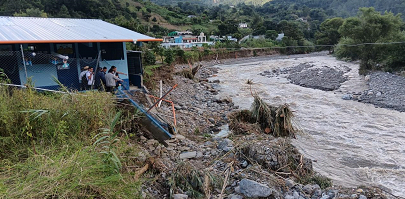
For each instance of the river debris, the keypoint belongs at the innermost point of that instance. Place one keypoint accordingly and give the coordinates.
(190, 72)
(280, 157)
(272, 120)
(195, 183)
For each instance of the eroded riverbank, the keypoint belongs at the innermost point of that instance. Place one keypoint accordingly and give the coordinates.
(353, 143)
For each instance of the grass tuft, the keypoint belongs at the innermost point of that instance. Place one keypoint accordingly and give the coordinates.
(47, 151)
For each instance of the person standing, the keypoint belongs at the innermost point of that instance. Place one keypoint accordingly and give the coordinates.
(90, 78)
(83, 78)
(111, 80)
(116, 73)
(100, 79)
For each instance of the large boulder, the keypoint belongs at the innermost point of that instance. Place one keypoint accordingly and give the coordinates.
(253, 189)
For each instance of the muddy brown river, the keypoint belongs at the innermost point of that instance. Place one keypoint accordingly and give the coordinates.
(353, 143)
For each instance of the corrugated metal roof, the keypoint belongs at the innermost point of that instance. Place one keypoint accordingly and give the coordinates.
(44, 30)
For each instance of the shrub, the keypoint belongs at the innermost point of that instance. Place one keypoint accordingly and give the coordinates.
(169, 56)
(149, 58)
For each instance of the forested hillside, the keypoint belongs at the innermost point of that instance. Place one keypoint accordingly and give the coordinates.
(346, 8)
(211, 2)
(141, 16)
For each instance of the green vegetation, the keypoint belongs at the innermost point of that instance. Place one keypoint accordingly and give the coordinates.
(344, 8)
(372, 27)
(322, 181)
(64, 146)
(328, 33)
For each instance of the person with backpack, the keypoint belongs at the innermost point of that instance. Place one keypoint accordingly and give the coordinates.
(83, 78)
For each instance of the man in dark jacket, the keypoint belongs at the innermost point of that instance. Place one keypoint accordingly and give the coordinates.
(100, 79)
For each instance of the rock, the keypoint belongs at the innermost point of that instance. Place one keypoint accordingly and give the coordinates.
(179, 137)
(227, 149)
(237, 189)
(378, 94)
(289, 197)
(188, 155)
(347, 97)
(317, 194)
(244, 164)
(143, 156)
(253, 189)
(152, 142)
(296, 195)
(211, 120)
(362, 197)
(289, 183)
(233, 196)
(367, 78)
(370, 93)
(199, 154)
(308, 189)
(180, 196)
(332, 193)
(224, 144)
(325, 197)
(353, 196)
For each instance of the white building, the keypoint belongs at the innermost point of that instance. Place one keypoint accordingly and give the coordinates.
(243, 25)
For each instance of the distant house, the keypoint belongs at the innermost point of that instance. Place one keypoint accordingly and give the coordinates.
(223, 38)
(185, 40)
(43, 48)
(280, 37)
(302, 20)
(243, 25)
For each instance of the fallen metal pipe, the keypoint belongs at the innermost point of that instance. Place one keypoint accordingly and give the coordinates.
(162, 98)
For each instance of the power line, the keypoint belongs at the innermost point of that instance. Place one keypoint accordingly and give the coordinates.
(314, 46)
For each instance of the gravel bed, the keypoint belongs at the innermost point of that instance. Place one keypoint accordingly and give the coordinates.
(386, 90)
(307, 75)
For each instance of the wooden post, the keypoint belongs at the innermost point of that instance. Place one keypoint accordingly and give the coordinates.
(161, 92)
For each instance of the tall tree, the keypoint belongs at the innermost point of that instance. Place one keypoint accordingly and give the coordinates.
(371, 27)
(64, 12)
(329, 32)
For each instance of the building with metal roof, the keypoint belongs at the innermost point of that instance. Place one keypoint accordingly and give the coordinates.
(51, 30)
(44, 48)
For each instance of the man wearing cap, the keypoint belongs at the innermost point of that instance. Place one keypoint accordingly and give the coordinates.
(83, 78)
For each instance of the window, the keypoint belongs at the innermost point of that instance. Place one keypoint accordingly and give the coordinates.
(112, 51)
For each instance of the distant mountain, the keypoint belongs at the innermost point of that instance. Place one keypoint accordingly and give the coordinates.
(346, 8)
(211, 2)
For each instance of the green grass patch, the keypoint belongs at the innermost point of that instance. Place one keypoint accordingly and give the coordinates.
(64, 146)
(148, 70)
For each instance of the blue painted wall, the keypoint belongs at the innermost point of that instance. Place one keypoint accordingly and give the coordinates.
(178, 40)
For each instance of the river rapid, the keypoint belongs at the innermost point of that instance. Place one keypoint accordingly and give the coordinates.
(350, 142)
